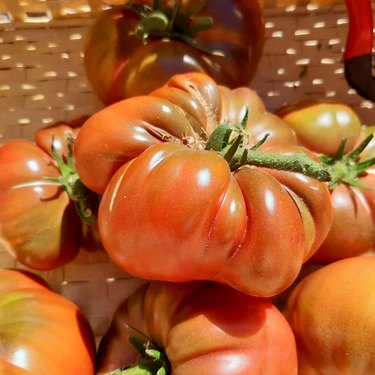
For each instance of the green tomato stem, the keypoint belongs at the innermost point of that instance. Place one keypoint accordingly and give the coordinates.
(162, 21)
(234, 151)
(300, 163)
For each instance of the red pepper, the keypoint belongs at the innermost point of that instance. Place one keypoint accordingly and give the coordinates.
(358, 52)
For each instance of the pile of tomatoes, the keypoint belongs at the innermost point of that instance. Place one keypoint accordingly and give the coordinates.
(253, 231)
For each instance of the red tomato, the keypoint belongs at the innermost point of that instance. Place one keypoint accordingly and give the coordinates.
(60, 132)
(321, 126)
(203, 329)
(39, 225)
(173, 211)
(63, 132)
(119, 64)
(41, 332)
(331, 312)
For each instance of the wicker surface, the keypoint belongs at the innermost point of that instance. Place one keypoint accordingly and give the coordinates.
(42, 80)
(39, 11)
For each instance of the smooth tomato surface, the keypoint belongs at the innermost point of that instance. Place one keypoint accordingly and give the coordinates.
(39, 225)
(173, 211)
(41, 332)
(119, 64)
(321, 126)
(331, 312)
(204, 329)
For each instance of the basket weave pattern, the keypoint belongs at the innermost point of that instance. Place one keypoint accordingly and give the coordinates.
(42, 81)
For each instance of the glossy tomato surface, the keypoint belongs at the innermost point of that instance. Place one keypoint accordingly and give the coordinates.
(332, 314)
(39, 225)
(41, 332)
(173, 211)
(321, 126)
(204, 329)
(119, 64)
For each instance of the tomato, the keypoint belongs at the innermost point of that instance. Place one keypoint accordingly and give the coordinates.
(39, 224)
(332, 314)
(321, 126)
(63, 133)
(41, 332)
(173, 210)
(120, 64)
(202, 329)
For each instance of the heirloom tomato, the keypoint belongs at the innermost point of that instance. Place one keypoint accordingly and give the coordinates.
(63, 133)
(323, 127)
(134, 49)
(176, 208)
(42, 333)
(332, 314)
(198, 328)
(39, 225)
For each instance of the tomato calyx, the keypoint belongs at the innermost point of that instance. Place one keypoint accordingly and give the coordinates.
(232, 142)
(153, 360)
(347, 168)
(161, 21)
(84, 199)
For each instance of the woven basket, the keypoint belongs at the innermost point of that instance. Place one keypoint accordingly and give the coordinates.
(42, 81)
(36, 11)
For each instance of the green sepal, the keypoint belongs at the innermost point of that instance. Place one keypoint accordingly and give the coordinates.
(347, 169)
(153, 360)
(85, 200)
(164, 22)
(219, 138)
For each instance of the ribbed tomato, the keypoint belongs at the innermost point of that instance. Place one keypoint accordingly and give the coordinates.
(198, 328)
(322, 126)
(172, 208)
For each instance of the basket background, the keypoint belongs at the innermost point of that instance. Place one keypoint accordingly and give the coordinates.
(42, 81)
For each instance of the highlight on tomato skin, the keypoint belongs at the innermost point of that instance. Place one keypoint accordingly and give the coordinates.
(39, 222)
(133, 49)
(39, 225)
(42, 332)
(170, 204)
(196, 328)
(336, 134)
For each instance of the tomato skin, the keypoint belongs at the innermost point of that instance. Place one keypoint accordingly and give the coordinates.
(217, 224)
(331, 312)
(42, 332)
(188, 108)
(39, 225)
(321, 126)
(352, 230)
(204, 328)
(120, 65)
(60, 133)
(161, 197)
